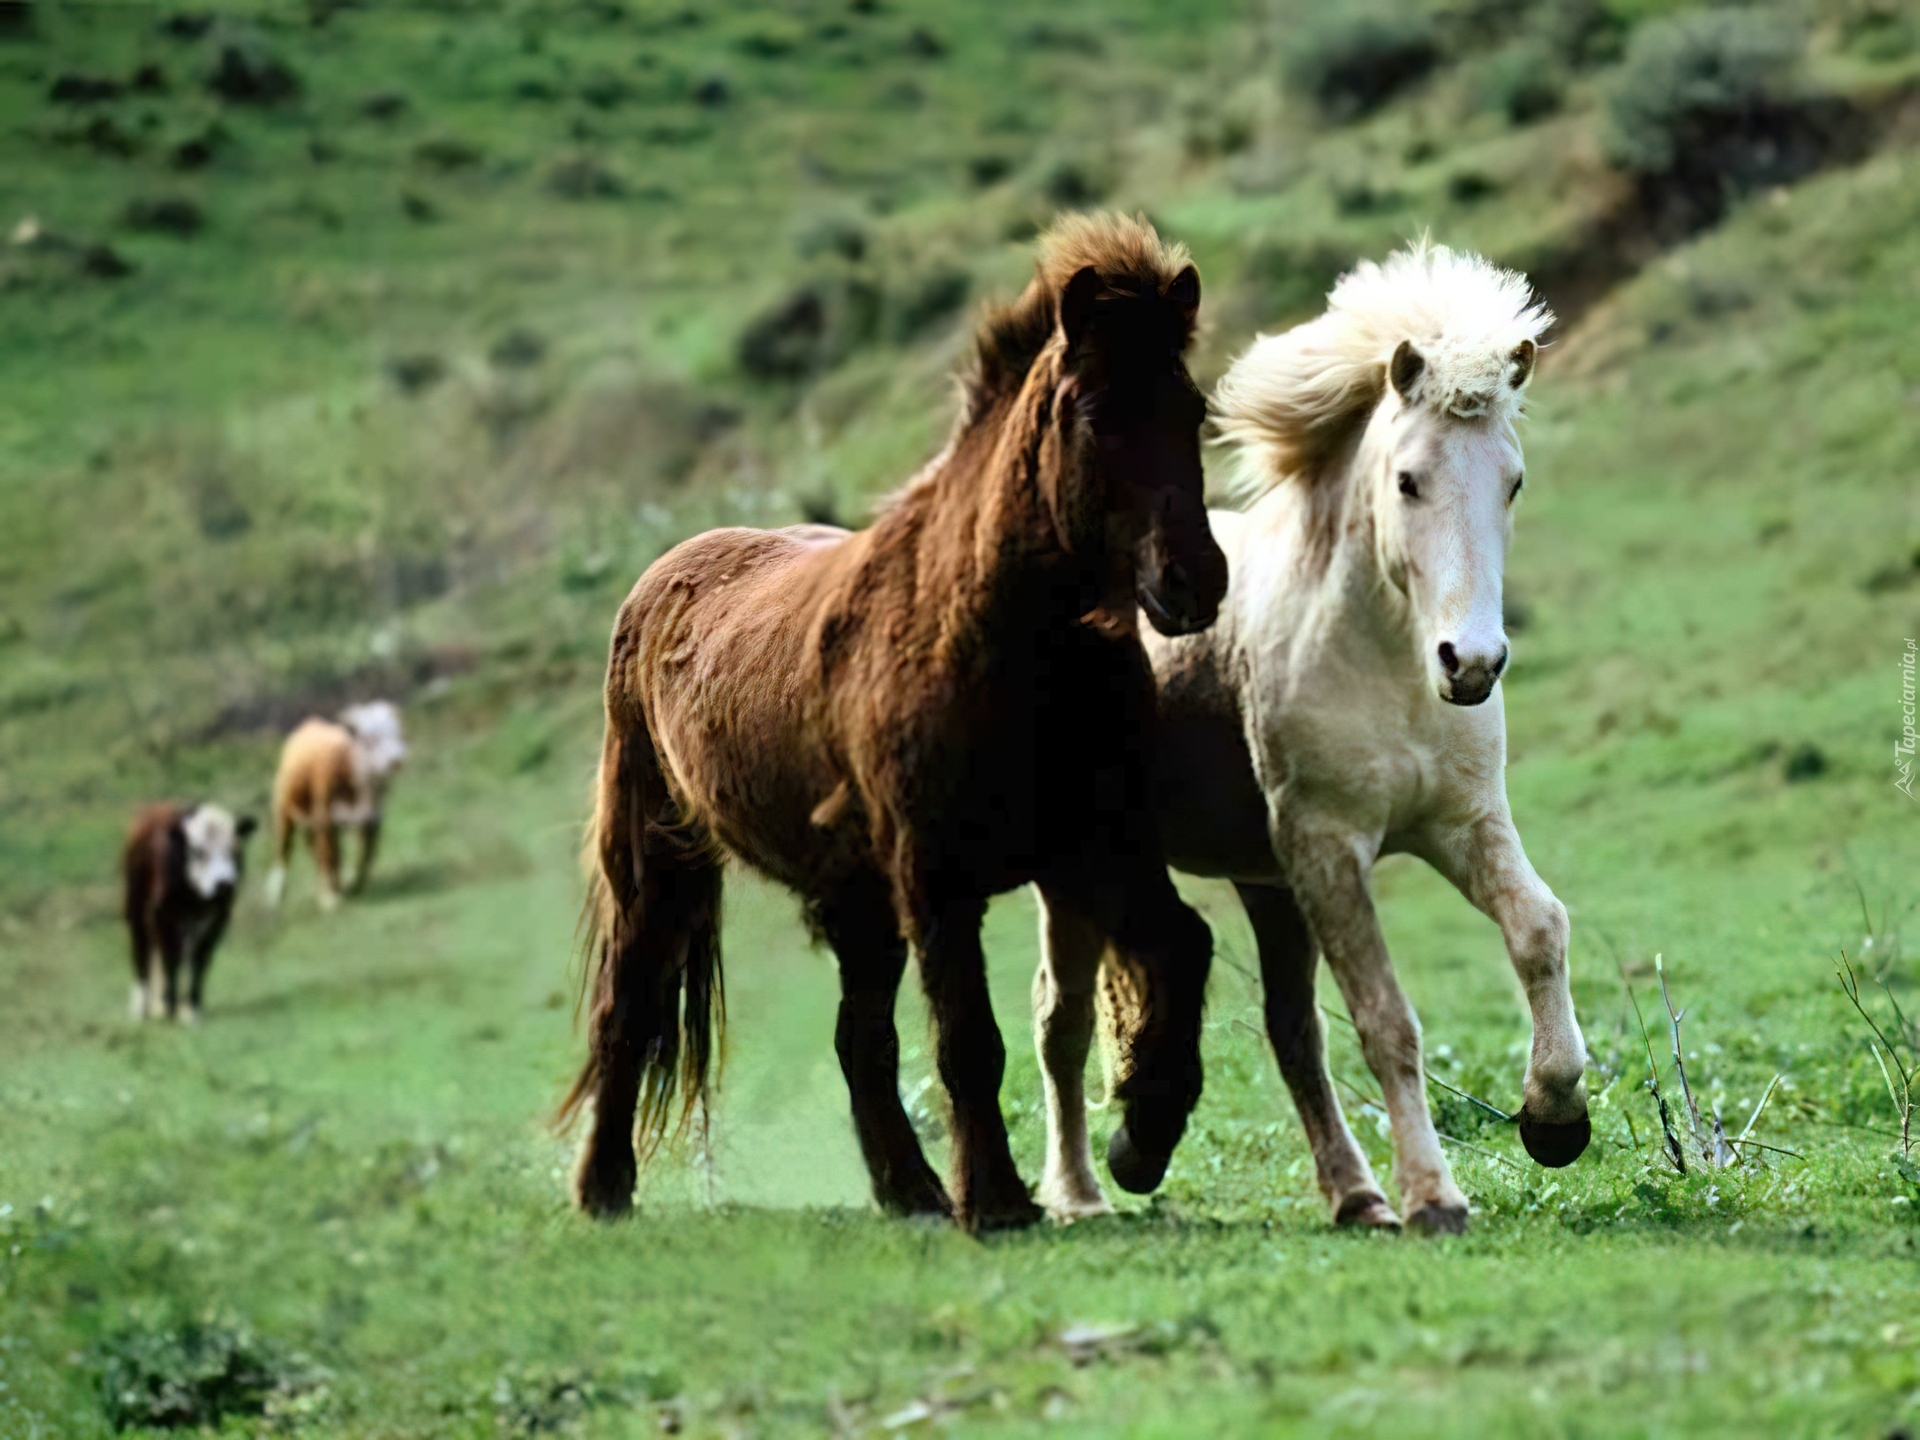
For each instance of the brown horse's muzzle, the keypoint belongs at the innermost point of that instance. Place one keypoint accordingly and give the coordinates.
(1182, 578)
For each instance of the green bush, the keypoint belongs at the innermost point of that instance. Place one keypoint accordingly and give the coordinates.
(199, 1372)
(1694, 77)
(1353, 64)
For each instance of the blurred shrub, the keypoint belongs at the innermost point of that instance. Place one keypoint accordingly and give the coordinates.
(1690, 80)
(920, 301)
(1351, 64)
(811, 329)
(1523, 82)
(200, 1372)
(1292, 278)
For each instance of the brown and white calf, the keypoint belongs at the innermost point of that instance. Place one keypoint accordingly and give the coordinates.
(333, 776)
(182, 866)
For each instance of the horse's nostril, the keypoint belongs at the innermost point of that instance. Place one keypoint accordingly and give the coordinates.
(1500, 665)
(1177, 579)
(1449, 659)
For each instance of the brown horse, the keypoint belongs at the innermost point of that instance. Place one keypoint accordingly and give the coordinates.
(903, 722)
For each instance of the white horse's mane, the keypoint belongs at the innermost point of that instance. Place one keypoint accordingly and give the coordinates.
(1292, 399)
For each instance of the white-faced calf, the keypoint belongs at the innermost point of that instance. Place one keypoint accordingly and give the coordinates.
(182, 866)
(334, 776)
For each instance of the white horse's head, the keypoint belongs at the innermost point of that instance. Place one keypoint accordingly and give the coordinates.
(1424, 359)
(1445, 470)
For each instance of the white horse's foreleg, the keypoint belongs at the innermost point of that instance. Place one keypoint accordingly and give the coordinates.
(1488, 865)
(1288, 960)
(1329, 878)
(1063, 1018)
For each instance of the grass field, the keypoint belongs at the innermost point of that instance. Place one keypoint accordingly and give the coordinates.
(229, 494)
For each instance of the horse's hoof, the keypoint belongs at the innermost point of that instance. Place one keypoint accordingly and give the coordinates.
(1364, 1210)
(924, 1200)
(1132, 1168)
(1555, 1144)
(1008, 1214)
(1065, 1204)
(605, 1193)
(1433, 1218)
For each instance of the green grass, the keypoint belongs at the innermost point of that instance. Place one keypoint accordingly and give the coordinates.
(350, 1163)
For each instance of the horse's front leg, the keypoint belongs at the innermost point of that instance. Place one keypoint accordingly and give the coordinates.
(1063, 1018)
(1329, 878)
(1486, 862)
(987, 1191)
(1288, 961)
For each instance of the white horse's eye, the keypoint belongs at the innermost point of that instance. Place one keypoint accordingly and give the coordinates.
(1409, 486)
(1514, 494)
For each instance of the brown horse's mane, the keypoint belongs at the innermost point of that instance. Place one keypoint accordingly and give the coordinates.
(1131, 259)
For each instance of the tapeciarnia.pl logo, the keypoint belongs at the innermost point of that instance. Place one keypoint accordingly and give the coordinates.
(1904, 746)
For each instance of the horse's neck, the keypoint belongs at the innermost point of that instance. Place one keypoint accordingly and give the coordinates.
(1332, 589)
(990, 549)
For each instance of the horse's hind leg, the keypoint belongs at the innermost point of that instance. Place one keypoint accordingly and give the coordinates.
(987, 1191)
(1155, 986)
(1063, 1019)
(865, 935)
(1329, 874)
(1288, 960)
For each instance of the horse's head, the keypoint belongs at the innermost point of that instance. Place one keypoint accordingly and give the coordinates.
(1096, 348)
(1445, 470)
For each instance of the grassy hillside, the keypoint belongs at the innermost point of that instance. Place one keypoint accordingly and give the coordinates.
(496, 301)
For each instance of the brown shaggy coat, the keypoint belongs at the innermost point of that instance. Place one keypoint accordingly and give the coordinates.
(902, 722)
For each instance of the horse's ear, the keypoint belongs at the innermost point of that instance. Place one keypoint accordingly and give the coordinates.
(1406, 368)
(1077, 299)
(1524, 354)
(1184, 291)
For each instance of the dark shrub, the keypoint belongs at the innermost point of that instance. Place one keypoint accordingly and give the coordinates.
(926, 299)
(1072, 183)
(103, 262)
(186, 24)
(447, 152)
(1693, 79)
(73, 89)
(197, 151)
(1353, 64)
(1293, 278)
(16, 19)
(197, 1374)
(247, 73)
(1806, 761)
(384, 105)
(518, 350)
(841, 235)
(168, 214)
(584, 177)
(415, 374)
(810, 330)
(1524, 83)
(712, 92)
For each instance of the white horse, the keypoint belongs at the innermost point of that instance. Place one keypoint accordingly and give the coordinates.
(1346, 705)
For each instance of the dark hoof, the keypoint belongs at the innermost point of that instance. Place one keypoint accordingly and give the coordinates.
(925, 1198)
(1364, 1210)
(1434, 1218)
(1133, 1169)
(604, 1192)
(1555, 1145)
(1008, 1214)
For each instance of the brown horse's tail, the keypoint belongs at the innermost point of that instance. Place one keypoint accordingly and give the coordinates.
(654, 988)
